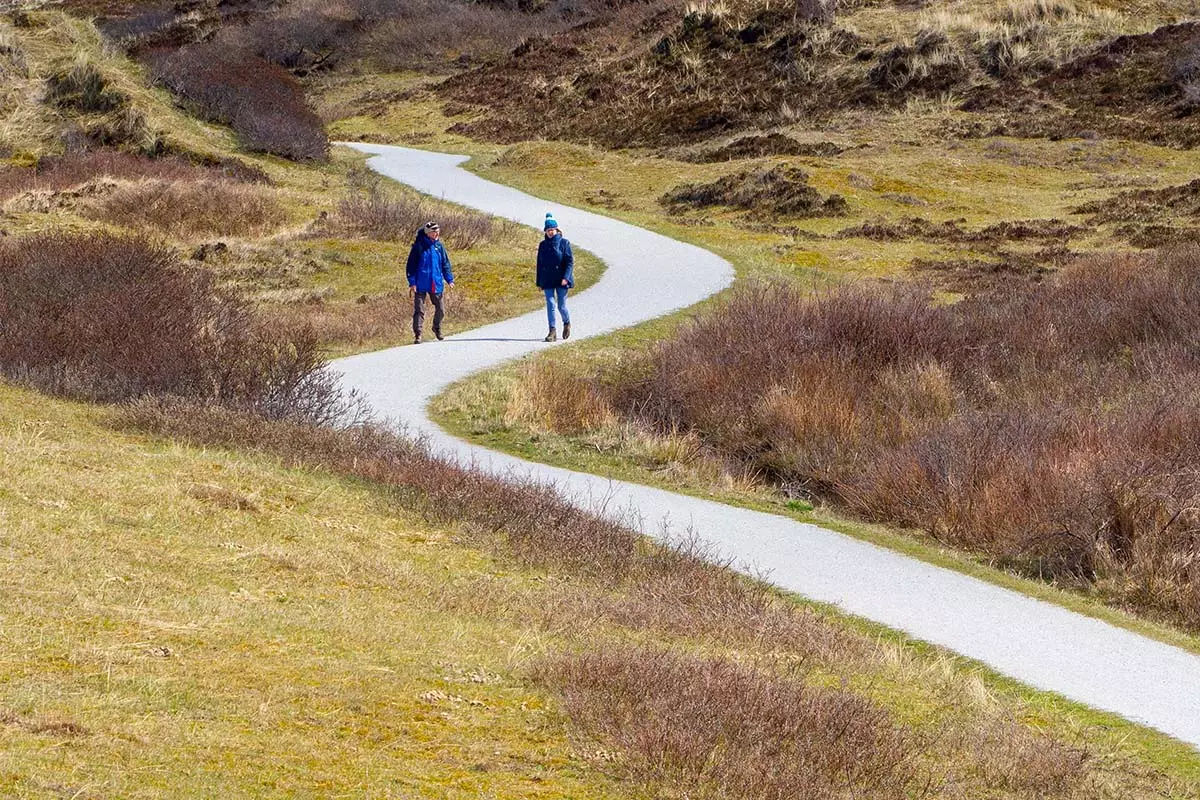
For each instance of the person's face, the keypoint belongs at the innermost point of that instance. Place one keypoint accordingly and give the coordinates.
(435, 235)
(551, 232)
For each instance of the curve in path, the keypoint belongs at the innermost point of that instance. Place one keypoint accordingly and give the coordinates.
(648, 275)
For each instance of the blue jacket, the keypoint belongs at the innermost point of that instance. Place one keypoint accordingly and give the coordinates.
(428, 265)
(555, 261)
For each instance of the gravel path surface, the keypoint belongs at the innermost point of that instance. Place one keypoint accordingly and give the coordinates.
(649, 275)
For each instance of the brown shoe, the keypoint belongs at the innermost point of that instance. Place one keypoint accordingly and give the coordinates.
(552, 336)
(566, 330)
(417, 339)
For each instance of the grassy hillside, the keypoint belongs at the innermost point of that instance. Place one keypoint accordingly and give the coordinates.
(197, 621)
(92, 143)
(221, 597)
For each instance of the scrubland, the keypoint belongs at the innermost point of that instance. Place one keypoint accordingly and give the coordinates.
(228, 581)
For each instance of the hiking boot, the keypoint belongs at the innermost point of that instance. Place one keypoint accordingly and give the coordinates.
(552, 336)
(566, 331)
(417, 339)
(439, 336)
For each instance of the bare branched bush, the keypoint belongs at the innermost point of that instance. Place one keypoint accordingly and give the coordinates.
(423, 35)
(190, 209)
(109, 318)
(377, 214)
(1030, 426)
(262, 102)
(731, 730)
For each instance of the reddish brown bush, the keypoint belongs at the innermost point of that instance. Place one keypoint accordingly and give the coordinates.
(109, 318)
(1027, 426)
(57, 173)
(731, 730)
(262, 102)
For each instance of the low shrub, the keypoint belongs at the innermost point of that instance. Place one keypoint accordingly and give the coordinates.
(731, 730)
(781, 190)
(1049, 428)
(190, 209)
(262, 102)
(110, 318)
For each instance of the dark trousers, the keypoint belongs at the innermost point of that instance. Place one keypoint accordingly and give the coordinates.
(439, 311)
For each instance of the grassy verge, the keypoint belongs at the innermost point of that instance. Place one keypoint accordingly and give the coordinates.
(479, 409)
(191, 620)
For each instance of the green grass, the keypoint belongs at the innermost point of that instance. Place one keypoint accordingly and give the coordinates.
(982, 184)
(201, 623)
(214, 625)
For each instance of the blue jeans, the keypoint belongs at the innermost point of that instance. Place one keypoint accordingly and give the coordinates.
(560, 295)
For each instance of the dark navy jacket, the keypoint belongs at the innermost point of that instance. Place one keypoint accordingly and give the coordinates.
(428, 265)
(555, 261)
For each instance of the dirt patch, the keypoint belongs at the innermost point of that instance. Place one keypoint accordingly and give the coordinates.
(780, 190)
(881, 230)
(47, 727)
(644, 77)
(760, 146)
(979, 276)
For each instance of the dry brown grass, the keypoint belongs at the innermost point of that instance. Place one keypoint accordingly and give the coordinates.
(729, 730)
(56, 174)
(550, 397)
(111, 318)
(372, 212)
(1051, 429)
(190, 210)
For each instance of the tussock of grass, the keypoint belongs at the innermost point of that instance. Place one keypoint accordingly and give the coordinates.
(190, 210)
(373, 212)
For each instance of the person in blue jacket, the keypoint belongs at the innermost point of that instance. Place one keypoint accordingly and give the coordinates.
(429, 274)
(555, 276)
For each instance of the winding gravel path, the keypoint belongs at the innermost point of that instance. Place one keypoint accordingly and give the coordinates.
(649, 275)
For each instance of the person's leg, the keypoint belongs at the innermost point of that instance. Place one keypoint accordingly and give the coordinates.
(439, 312)
(562, 305)
(550, 308)
(418, 314)
(552, 336)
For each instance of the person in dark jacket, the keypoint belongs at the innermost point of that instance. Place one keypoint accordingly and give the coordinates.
(555, 276)
(429, 274)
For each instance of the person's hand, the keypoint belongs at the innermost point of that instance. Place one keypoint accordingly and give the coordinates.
(412, 291)
(450, 284)
(564, 281)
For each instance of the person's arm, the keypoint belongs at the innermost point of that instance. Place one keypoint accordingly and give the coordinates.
(447, 270)
(414, 262)
(569, 264)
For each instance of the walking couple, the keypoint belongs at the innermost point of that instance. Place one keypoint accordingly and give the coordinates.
(430, 274)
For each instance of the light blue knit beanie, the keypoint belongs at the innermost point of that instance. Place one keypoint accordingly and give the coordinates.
(550, 222)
